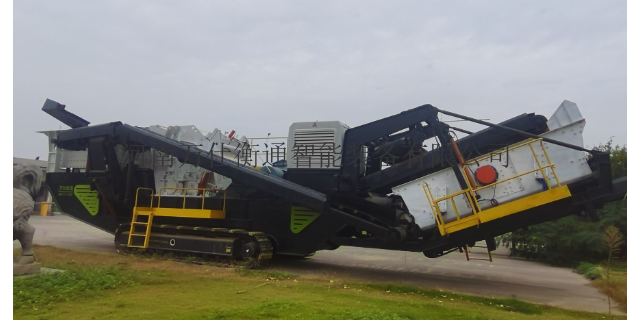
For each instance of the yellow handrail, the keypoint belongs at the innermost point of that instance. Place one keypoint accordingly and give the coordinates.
(184, 195)
(522, 174)
(473, 201)
(544, 176)
(491, 154)
(453, 194)
(553, 169)
(150, 203)
(434, 207)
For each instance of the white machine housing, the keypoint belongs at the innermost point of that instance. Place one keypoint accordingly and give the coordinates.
(315, 145)
(168, 171)
(565, 125)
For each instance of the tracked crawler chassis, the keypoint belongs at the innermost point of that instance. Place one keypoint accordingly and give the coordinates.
(375, 185)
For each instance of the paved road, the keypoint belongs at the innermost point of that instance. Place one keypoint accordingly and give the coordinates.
(505, 277)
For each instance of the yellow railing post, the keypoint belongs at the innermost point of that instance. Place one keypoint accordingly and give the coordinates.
(203, 192)
(455, 209)
(184, 198)
(434, 206)
(224, 201)
(540, 167)
(472, 203)
(138, 191)
(553, 170)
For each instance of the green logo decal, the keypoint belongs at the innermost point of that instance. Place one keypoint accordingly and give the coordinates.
(301, 217)
(88, 198)
(64, 191)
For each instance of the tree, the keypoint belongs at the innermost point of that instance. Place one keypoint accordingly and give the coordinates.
(618, 158)
(613, 240)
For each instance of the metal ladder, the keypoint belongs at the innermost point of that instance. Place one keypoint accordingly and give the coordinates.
(132, 233)
(147, 211)
(467, 251)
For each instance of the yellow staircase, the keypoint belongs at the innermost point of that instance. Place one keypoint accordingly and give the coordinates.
(151, 211)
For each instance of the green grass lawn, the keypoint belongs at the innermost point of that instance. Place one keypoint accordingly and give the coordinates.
(109, 286)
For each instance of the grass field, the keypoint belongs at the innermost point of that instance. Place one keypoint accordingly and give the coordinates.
(616, 288)
(109, 286)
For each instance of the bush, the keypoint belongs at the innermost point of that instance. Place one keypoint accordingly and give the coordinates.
(583, 267)
(593, 274)
(589, 270)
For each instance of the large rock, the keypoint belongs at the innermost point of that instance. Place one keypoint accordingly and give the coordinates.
(24, 269)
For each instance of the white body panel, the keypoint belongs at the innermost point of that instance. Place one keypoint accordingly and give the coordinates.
(570, 165)
(168, 171)
(315, 145)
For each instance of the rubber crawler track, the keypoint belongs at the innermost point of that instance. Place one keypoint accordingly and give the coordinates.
(264, 244)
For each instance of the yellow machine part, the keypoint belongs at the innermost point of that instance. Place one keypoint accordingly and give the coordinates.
(506, 209)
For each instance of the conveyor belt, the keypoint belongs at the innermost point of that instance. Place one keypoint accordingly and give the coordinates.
(134, 136)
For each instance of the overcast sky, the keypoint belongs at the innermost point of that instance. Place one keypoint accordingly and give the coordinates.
(258, 66)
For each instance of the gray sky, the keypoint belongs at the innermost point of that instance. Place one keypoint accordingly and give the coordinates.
(258, 66)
